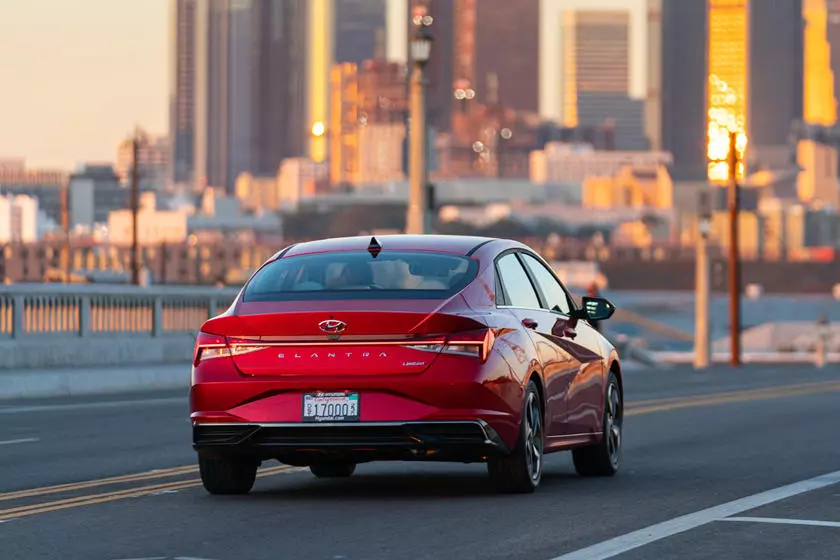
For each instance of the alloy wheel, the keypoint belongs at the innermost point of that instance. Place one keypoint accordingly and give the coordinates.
(533, 437)
(614, 417)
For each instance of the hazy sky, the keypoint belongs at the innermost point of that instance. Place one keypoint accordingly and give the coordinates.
(76, 75)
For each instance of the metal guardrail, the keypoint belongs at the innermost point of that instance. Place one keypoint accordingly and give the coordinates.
(28, 310)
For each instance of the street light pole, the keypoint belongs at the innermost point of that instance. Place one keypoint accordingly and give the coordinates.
(417, 218)
(734, 257)
(702, 344)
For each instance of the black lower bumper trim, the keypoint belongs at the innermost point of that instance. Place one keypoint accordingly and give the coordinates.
(417, 436)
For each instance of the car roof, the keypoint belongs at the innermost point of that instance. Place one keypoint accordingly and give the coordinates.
(456, 244)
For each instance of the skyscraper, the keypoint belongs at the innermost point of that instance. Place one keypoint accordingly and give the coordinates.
(683, 86)
(182, 89)
(596, 75)
(776, 66)
(212, 93)
(756, 61)
(820, 104)
(727, 92)
(279, 124)
(833, 35)
(357, 23)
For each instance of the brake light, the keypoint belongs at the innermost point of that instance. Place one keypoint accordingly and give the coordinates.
(209, 346)
(473, 343)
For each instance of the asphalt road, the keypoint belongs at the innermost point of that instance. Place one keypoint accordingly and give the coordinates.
(725, 464)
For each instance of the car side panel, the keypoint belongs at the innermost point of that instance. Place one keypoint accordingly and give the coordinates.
(585, 397)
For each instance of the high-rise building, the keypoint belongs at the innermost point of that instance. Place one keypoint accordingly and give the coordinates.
(320, 34)
(357, 26)
(240, 147)
(820, 101)
(439, 70)
(653, 95)
(755, 70)
(182, 89)
(727, 93)
(507, 44)
(211, 156)
(279, 124)
(476, 43)
(833, 36)
(683, 57)
(776, 62)
(596, 75)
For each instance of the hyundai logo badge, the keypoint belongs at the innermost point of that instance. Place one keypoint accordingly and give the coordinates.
(332, 326)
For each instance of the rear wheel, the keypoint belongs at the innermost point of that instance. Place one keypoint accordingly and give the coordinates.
(227, 475)
(333, 469)
(521, 471)
(604, 458)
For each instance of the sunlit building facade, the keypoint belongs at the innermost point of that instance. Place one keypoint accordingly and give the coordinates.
(727, 90)
(820, 105)
(319, 60)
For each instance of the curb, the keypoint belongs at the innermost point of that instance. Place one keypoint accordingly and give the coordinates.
(34, 384)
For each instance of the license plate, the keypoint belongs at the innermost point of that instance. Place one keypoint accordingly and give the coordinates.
(331, 407)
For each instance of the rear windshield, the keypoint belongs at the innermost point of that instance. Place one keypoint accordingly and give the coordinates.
(357, 275)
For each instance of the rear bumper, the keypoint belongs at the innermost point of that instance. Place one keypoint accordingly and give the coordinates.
(301, 444)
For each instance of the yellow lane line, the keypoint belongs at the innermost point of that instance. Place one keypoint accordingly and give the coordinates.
(80, 501)
(633, 408)
(69, 487)
(746, 392)
(724, 398)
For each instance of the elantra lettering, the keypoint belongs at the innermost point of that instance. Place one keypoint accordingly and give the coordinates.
(331, 355)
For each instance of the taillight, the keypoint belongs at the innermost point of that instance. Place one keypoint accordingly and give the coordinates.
(209, 346)
(472, 343)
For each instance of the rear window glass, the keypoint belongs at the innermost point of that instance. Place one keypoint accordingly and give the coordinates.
(357, 275)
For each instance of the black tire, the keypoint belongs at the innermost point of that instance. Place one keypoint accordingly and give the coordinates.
(604, 458)
(521, 471)
(227, 475)
(333, 469)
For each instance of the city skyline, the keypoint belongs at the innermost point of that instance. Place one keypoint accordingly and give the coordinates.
(84, 71)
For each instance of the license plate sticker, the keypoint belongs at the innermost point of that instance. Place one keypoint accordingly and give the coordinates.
(331, 407)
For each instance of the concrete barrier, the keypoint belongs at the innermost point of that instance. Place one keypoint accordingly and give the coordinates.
(65, 326)
(76, 382)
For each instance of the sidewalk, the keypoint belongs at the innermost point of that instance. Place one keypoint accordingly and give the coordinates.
(33, 383)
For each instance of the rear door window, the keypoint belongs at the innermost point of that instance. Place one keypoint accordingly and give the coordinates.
(357, 275)
(556, 298)
(519, 292)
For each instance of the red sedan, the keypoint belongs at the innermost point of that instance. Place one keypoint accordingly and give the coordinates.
(431, 348)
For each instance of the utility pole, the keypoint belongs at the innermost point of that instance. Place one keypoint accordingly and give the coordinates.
(417, 217)
(135, 209)
(734, 257)
(65, 230)
(702, 343)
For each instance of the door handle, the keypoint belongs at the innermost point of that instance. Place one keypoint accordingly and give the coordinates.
(530, 323)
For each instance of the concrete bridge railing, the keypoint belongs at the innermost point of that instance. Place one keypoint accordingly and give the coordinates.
(72, 326)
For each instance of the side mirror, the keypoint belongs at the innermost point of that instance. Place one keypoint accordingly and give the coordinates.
(597, 308)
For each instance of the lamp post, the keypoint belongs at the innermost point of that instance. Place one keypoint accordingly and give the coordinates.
(823, 333)
(702, 350)
(418, 217)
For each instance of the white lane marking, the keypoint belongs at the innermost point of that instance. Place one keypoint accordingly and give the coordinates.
(91, 405)
(808, 522)
(642, 537)
(24, 440)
